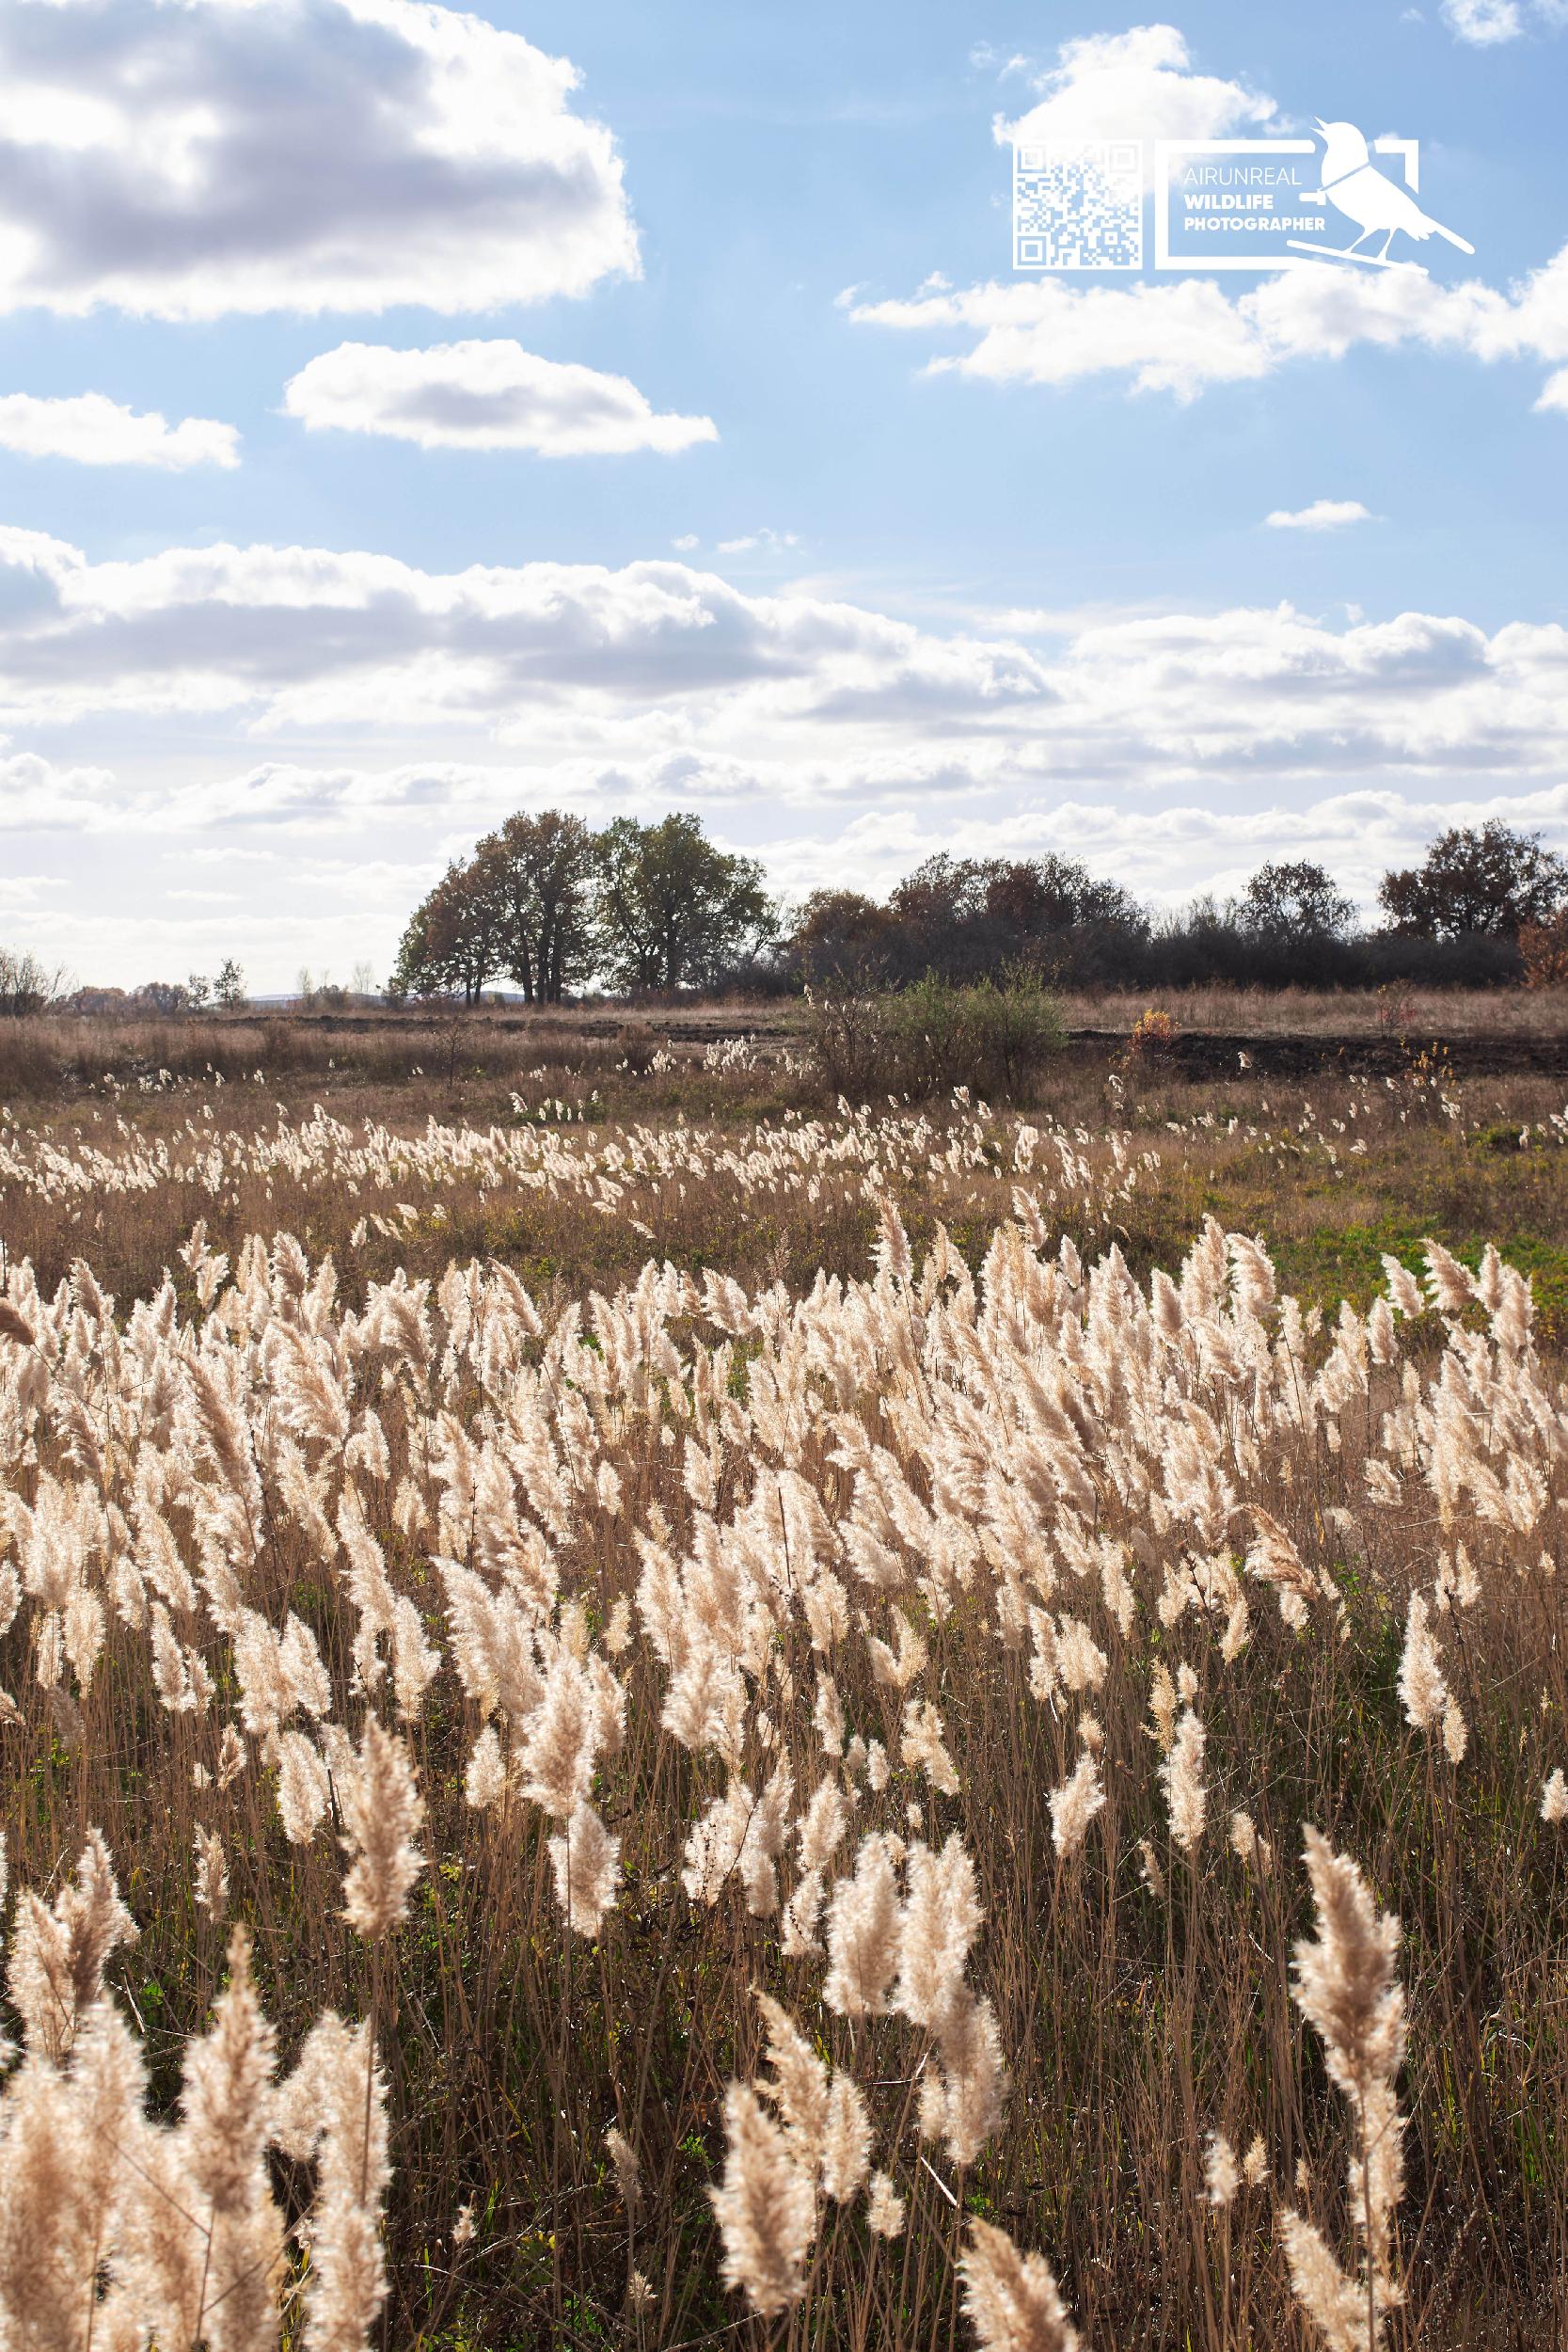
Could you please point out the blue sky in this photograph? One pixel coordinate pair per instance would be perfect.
(796, 504)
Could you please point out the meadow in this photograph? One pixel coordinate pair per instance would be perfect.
(640, 1707)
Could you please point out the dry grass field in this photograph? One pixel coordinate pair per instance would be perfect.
(1416, 1014)
(641, 1708)
(56, 1056)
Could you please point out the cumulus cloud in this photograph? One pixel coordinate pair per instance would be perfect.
(1185, 336)
(1484, 23)
(671, 680)
(41, 795)
(1322, 515)
(1166, 855)
(307, 635)
(1176, 749)
(95, 431)
(282, 795)
(304, 155)
(316, 636)
(484, 395)
(869, 836)
(1178, 337)
(1139, 83)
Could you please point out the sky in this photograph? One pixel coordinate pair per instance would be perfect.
(407, 416)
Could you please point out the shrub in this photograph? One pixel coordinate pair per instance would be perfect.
(1151, 1037)
(926, 1039)
(1544, 951)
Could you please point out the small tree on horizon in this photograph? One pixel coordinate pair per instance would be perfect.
(27, 985)
(161, 997)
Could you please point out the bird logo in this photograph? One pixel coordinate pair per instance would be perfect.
(1353, 183)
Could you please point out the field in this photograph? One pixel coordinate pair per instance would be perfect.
(641, 1707)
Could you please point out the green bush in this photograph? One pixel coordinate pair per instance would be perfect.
(926, 1039)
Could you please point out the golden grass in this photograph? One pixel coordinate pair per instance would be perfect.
(955, 1650)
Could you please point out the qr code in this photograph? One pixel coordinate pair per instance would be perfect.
(1079, 205)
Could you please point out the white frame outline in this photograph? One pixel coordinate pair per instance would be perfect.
(1408, 150)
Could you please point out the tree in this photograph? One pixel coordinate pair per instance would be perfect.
(97, 1003)
(671, 910)
(1043, 896)
(162, 998)
(538, 871)
(26, 985)
(1488, 878)
(1294, 901)
(198, 988)
(454, 939)
(1544, 951)
(840, 936)
(940, 893)
(229, 988)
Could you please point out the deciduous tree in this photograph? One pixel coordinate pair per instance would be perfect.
(455, 937)
(1488, 878)
(28, 984)
(1293, 899)
(674, 910)
(540, 870)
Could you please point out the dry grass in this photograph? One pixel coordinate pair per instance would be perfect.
(1414, 1013)
(122, 1181)
(52, 1056)
(566, 1472)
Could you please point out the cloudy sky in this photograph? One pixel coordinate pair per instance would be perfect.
(407, 416)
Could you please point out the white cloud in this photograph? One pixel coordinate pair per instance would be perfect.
(1163, 852)
(302, 155)
(484, 395)
(986, 58)
(1322, 515)
(1185, 336)
(1484, 23)
(310, 636)
(1176, 748)
(1134, 84)
(765, 537)
(95, 431)
(1165, 856)
(686, 541)
(1178, 337)
(38, 794)
(673, 681)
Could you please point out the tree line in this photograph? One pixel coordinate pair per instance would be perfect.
(549, 907)
(1483, 905)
